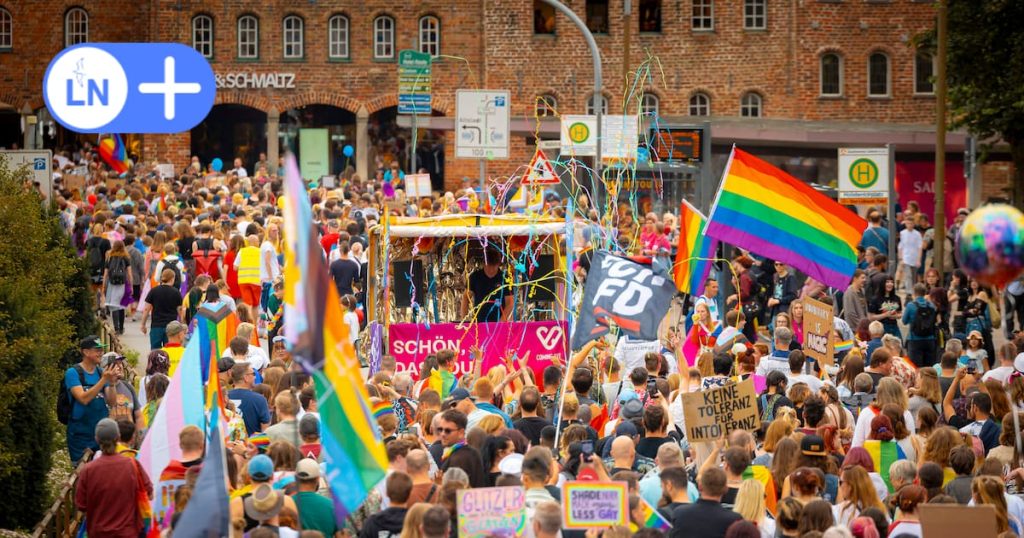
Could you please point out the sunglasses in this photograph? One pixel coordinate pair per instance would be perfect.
(446, 431)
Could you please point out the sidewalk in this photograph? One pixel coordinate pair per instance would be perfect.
(134, 339)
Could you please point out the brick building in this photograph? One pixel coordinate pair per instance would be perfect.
(792, 79)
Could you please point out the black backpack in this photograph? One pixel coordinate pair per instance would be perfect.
(65, 403)
(94, 256)
(923, 324)
(173, 266)
(117, 271)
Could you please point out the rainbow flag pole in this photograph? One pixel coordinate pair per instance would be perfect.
(696, 251)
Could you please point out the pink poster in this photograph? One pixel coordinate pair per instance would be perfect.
(915, 180)
(410, 343)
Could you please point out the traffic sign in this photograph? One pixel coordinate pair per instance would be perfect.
(863, 175)
(482, 124)
(540, 171)
(38, 162)
(414, 82)
(620, 136)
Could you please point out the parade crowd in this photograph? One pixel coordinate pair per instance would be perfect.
(924, 404)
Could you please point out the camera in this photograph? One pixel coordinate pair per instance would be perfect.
(587, 448)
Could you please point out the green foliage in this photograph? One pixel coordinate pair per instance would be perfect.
(985, 71)
(36, 329)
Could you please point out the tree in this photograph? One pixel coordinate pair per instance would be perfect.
(985, 71)
(35, 332)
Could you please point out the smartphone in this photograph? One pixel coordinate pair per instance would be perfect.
(971, 368)
(587, 448)
(652, 388)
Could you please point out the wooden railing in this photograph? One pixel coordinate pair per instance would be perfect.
(63, 517)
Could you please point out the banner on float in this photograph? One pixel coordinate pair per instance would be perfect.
(410, 343)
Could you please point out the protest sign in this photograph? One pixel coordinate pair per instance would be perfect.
(817, 328)
(712, 414)
(956, 520)
(587, 505)
(485, 512)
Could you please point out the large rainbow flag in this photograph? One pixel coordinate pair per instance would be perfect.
(315, 328)
(763, 475)
(884, 454)
(695, 253)
(113, 152)
(768, 212)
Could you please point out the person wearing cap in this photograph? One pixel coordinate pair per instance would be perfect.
(261, 472)
(464, 403)
(174, 348)
(316, 512)
(977, 356)
(85, 382)
(120, 397)
(106, 488)
(309, 431)
(487, 296)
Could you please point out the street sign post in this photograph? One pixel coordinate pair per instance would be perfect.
(482, 124)
(621, 136)
(540, 171)
(414, 95)
(864, 175)
(39, 164)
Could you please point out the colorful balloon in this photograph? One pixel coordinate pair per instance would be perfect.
(217, 164)
(990, 246)
(348, 151)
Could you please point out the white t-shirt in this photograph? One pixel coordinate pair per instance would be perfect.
(910, 247)
(812, 382)
(272, 269)
(255, 356)
(1000, 374)
(353, 326)
(863, 427)
(630, 353)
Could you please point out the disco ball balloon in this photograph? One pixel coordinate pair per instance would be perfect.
(990, 246)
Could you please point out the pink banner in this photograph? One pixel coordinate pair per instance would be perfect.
(915, 180)
(410, 343)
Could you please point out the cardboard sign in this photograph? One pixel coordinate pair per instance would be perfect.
(485, 512)
(588, 505)
(417, 185)
(957, 520)
(818, 341)
(74, 182)
(712, 414)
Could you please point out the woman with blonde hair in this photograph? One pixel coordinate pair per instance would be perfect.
(940, 443)
(856, 494)
(492, 424)
(990, 490)
(750, 504)
(778, 430)
(413, 520)
(154, 255)
(1000, 402)
(927, 393)
(888, 391)
(784, 461)
(796, 317)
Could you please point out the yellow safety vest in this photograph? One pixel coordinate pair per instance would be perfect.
(249, 266)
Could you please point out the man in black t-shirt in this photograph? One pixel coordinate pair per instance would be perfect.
(531, 424)
(163, 303)
(344, 270)
(491, 300)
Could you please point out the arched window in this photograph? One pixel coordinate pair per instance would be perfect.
(924, 70)
(547, 105)
(700, 104)
(6, 29)
(430, 36)
(202, 35)
(337, 37)
(750, 105)
(590, 105)
(248, 37)
(831, 75)
(384, 37)
(293, 36)
(878, 75)
(76, 26)
(649, 105)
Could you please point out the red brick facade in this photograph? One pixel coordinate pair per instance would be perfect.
(491, 44)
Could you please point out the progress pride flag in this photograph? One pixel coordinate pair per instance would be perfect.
(410, 343)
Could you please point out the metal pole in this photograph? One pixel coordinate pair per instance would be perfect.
(627, 27)
(940, 141)
(595, 54)
(892, 209)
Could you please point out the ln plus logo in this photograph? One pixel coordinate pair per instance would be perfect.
(129, 88)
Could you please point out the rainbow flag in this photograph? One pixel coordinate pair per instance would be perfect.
(768, 212)
(845, 345)
(113, 152)
(351, 444)
(442, 381)
(215, 326)
(383, 408)
(693, 257)
(653, 519)
(883, 454)
(763, 475)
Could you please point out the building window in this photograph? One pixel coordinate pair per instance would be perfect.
(750, 105)
(202, 35)
(597, 16)
(543, 18)
(702, 17)
(248, 37)
(924, 71)
(649, 104)
(754, 17)
(878, 75)
(700, 104)
(337, 37)
(6, 29)
(547, 105)
(590, 105)
(430, 36)
(76, 27)
(831, 75)
(293, 39)
(384, 37)
(650, 16)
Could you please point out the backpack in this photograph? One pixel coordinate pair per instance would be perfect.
(117, 271)
(923, 324)
(206, 259)
(65, 403)
(173, 266)
(768, 406)
(94, 256)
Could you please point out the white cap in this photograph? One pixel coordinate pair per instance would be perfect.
(738, 348)
(512, 464)
(1018, 363)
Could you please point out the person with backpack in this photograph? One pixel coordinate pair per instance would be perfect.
(773, 397)
(80, 403)
(173, 262)
(207, 253)
(920, 316)
(96, 248)
(117, 284)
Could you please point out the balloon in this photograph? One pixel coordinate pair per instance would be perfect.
(990, 246)
(348, 151)
(217, 164)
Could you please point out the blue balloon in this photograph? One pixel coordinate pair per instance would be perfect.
(217, 164)
(348, 151)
